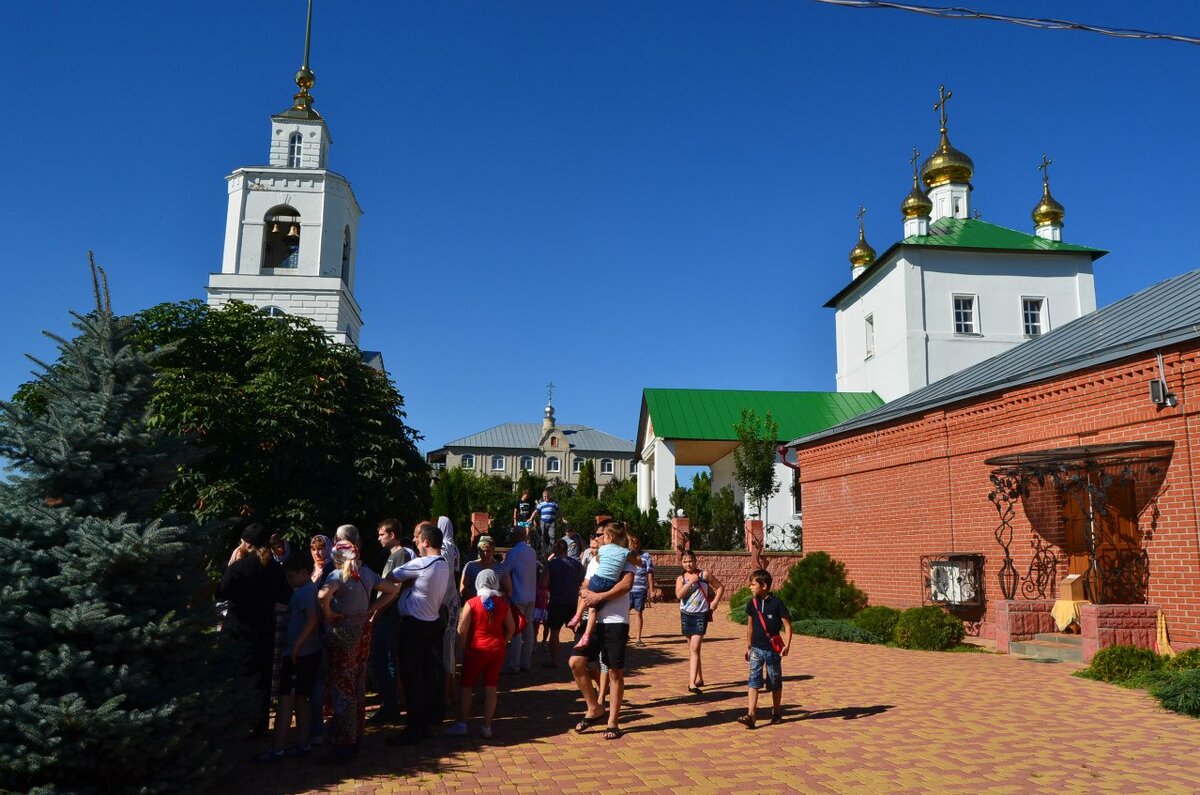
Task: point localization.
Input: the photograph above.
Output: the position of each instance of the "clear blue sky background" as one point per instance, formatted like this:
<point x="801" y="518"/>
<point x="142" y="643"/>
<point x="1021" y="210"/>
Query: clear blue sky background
<point x="612" y="195"/>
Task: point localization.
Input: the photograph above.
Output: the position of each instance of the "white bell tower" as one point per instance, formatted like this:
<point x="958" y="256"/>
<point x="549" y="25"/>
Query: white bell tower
<point x="291" y="231"/>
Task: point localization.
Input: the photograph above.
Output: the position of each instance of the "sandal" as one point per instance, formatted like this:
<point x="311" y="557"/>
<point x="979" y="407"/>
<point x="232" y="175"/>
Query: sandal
<point x="612" y="733"/>
<point x="585" y="723"/>
<point x="776" y="718"/>
<point x="746" y="721"/>
<point x="695" y="690"/>
<point x="573" y="623"/>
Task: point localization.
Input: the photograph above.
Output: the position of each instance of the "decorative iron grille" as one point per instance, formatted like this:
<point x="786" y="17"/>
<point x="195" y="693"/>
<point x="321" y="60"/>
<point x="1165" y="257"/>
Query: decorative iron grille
<point x="953" y="579"/>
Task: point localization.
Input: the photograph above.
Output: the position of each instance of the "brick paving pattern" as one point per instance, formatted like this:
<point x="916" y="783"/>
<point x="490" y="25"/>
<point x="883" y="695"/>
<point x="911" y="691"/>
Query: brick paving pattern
<point x="859" y="719"/>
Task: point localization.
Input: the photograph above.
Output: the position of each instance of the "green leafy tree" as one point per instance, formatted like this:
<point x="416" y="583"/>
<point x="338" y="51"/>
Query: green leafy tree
<point x="586" y="485"/>
<point x="726" y="524"/>
<point x="619" y="500"/>
<point x="111" y="676"/>
<point x="754" y="458"/>
<point x="297" y="432"/>
<point x="458" y="493"/>
<point x="536" y="484"/>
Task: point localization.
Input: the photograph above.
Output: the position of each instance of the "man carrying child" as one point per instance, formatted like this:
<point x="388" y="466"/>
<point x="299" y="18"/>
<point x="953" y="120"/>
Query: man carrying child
<point x="765" y="648"/>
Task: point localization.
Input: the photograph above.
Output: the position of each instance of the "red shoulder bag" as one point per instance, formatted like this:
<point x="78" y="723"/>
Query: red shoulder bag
<point x="776" y="640"/>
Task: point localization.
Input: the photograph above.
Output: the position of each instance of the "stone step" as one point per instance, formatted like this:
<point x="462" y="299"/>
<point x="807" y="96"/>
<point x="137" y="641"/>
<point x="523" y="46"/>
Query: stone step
<point x="1060" y="637"/>
<point x="1046" y="650"/>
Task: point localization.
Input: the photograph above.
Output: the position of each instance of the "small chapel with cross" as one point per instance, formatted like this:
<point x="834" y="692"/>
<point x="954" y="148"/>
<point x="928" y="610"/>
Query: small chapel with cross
<point x="953" y="290"/>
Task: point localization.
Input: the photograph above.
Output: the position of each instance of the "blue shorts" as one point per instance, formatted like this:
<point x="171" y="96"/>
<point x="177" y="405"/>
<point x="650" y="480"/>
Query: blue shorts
<point x="768" y="661"/>
<point x="598" y="584"/>
<point x="693" y="623"/>
<point x="637" y="600"/>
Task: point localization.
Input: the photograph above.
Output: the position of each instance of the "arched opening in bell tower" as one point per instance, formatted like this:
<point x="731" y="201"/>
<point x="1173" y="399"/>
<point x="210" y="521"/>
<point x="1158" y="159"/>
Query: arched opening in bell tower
<point x="346" y="255"/>
<point x="281" y="238"/>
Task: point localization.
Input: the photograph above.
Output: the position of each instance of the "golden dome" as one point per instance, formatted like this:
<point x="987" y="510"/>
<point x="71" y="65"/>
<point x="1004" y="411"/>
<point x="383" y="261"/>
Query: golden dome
<point x="916" y="204"/>
<point x="862" y="254"/>
<point x="1048" y="210"/>
<point x="946" y="164"/>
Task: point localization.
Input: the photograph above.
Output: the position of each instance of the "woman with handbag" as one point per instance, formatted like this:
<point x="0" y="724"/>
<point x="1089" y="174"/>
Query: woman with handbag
<point x="698" y="593"/>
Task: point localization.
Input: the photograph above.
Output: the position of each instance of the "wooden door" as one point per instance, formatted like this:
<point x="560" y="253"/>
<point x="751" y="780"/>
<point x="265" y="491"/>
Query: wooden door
<point x="1076" y="545"/>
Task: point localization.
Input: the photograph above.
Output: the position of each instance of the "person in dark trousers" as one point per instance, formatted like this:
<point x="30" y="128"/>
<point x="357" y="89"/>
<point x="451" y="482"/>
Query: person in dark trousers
<point x="253" y="584"/>
<point x="422" y="626"/>
<point x="385" y="629"/>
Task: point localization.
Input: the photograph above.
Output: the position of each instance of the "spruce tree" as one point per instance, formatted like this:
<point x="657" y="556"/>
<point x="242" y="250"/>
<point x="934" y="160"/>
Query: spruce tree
<point x="112" y="677"/>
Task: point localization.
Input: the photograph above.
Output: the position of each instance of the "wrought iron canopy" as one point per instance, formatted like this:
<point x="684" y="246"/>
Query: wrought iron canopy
<point x="1101" y="455"/>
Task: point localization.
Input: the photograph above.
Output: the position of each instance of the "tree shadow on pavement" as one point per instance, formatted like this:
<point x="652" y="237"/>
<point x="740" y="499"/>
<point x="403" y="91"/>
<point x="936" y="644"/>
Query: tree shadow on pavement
<point x="845" y="713"/>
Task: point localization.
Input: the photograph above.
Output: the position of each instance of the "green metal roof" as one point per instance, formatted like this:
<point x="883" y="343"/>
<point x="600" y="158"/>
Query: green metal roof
<point x="710" y="414"/>
<point x="969" y="233"/>
<point x="972" y="233"/>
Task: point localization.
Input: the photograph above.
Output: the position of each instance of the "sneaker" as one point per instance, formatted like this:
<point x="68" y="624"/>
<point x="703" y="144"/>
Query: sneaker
<point x="583" y="641"/>
<point x="457" y="730"/>
<point x="485" y="732"/>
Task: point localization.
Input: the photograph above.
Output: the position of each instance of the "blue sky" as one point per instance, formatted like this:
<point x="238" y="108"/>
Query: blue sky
<point x="611" y="195"/>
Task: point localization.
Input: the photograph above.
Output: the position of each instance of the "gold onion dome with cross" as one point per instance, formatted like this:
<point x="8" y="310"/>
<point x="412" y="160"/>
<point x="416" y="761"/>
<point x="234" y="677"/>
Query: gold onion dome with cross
<point x="1048" y="210"/>
<point x="862" y="254"/>
<point x="946" y="164"/>
<point x="916" y="204"/>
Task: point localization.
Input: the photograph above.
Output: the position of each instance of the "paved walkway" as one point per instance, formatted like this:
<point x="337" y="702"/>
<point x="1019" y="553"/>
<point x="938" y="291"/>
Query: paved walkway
<point x="860" y="719"/>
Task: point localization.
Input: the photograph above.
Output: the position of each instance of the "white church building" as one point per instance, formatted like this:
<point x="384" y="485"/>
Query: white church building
<point x="954" y="290"/>
<point x="292" y="225"/>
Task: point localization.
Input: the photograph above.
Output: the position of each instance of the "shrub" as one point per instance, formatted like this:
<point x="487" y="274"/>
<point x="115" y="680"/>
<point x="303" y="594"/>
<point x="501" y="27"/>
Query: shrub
<point x="928" y="629"/>
<point x="1179" y="691"/>
<point x="1183" y="661"/>
<point x="737" y="605"/>
<point x="834" y="629"/>
<point x="878" y="620"/>
<point x="817" y="587"/>
<point x="1121" y="663"/>
<point x="1146" y="680"/>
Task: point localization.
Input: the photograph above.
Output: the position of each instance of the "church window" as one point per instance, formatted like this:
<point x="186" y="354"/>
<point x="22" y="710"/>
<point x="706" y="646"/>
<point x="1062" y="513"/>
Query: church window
<point x="553" y="464"/>
<point x="346" y="255"/>
<point x="526" y="463"/>
<point x="554" y="441"/>
<point x="577" y="465"/>
<point x="498" y="462"/>
<point x="870" y="335"/>
<point x="964" y="315"/>
<point x="273" y="311"/>
<point x="295" y="148"/>
<point x="606" y="466"/>
<point x="468" y="461"/>
<point x="281" y="238"/>
<point x="632" y="468"/>
<point x="1031" y="316"/>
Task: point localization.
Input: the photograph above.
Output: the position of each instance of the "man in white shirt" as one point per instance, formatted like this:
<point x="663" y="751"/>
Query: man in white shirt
<point x="521" y="566"/>
<point x="421" y="629"/>
<point x="608" y="642"/>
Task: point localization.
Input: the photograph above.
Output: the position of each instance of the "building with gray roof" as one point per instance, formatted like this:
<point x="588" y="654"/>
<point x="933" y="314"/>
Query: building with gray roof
<point x="555" y="452"/>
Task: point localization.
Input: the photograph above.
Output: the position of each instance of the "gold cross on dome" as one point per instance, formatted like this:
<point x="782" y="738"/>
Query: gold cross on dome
<point x="940" y="105"/>
<point x="859" y="215"/>
<point x="1045" y="168"/>
<point x="550" y="392"/>
<point x="913" y="160"/>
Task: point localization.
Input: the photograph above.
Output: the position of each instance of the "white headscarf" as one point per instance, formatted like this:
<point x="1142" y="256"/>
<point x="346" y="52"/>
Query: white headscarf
<point x="487" y="585"/>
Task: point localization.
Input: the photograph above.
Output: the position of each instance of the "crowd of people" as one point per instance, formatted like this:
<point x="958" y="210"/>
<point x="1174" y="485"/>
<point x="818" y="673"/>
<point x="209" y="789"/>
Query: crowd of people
<point x="430" y="627"/>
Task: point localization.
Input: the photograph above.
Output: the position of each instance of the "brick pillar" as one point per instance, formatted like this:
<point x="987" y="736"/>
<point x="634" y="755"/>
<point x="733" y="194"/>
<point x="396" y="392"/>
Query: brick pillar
<point x="681" y="534"/>
<point x="754" y="543"/>
<point x="481" y="522"/>
<point x="1110" y="625"/>
<point x="602" y="518"/>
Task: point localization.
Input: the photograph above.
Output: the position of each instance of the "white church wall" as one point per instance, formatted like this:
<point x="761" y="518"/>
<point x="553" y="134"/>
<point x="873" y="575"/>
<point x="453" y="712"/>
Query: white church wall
<point x="886" y="369"/>
<point x="998" y="282"/>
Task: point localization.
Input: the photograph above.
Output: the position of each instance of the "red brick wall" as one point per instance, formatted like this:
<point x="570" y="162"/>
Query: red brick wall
<point x="731" y="568"/>
<point x="880" y="499"/>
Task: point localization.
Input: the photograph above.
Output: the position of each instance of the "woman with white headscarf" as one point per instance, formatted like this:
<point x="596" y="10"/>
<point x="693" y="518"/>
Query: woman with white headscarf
<point x="485" y="629"/>
<point x="453" y="606"/>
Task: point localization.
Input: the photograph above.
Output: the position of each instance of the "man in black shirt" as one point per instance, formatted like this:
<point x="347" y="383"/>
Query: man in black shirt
<point x="523" y="517"/>
<point x="767" y="616"/>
